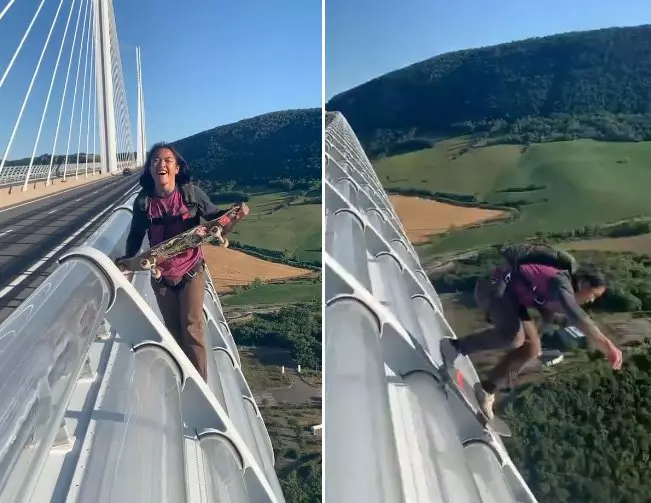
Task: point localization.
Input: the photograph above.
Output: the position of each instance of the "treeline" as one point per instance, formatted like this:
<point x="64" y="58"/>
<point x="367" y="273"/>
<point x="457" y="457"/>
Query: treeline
<point x="280" y="257"/>
<point x="593" y="84"/>
<point x="628" y="275"/>
<point x="269" y="148"/>
<point x="619" y="230"/>
<point x="585" y="435"/>
<point x="296" y="328"/>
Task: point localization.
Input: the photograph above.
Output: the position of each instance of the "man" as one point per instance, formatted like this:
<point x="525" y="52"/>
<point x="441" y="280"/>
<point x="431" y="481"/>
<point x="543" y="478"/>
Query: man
<point x="167" y="205"/>
<point x="506" y="296"/>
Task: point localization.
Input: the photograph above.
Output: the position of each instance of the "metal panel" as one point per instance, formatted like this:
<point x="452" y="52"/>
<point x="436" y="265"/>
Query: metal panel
<point x="393" y="430"/>
<point x="52" y="329"/>
<point x="136" y="451"/>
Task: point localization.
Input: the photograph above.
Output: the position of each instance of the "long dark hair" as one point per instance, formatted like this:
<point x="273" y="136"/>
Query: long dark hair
<point x="589" y="274"/>
<point x="182" y="177"/>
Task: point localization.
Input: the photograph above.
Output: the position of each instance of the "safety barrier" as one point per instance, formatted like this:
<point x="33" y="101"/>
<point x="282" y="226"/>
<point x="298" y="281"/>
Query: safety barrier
<point x="393" y="430"/>
<point x="99" y="404"/>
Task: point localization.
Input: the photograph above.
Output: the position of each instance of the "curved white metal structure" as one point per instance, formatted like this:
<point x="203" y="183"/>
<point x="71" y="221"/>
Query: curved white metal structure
<point x="99" y="403"/>
<point x="393" y="433"/>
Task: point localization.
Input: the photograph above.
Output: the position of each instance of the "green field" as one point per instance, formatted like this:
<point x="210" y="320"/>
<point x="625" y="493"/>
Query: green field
<point x="294" y="227"/>
<point x="281" y="293"/>
<point x="585" y="182"/>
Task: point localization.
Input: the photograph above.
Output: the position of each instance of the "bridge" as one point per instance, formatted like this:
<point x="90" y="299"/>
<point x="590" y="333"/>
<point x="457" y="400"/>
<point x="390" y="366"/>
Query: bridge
<point x="394" y="431"/>
<point x="97" y="401"/>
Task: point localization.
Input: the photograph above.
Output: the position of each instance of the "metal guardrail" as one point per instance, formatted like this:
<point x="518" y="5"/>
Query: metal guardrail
<point x="15" y="175"/>
<point x="393" y="432"/>
<point x="156" y="432"/>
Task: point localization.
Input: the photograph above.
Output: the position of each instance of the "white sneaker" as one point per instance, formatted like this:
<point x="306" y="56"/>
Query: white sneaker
<point x="486" y="401"/>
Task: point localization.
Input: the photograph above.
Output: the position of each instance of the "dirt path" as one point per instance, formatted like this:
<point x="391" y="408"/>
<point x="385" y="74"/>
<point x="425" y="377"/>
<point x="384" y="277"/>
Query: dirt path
<point x="424" y="217"/>
<point x="229" y="268"/>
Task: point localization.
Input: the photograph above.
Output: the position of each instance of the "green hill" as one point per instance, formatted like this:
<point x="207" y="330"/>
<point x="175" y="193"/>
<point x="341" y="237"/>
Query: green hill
<point x="273" y="161"/>
<point x="257" y="151"/>
<point x="594" y="84"/>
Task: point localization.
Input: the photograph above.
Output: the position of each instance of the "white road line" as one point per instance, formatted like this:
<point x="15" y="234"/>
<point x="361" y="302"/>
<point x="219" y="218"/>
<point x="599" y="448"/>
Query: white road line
<point x="52" y="195"/>
<point x="78" y="199"/>
<point x="51" y="211"/>
<point x="5" y="232"/>
<point x="51" y="254"/>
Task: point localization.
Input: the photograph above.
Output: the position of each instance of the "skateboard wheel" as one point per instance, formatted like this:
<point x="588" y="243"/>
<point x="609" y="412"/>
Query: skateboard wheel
<point x="225" y="243"/>
<point x="215" y="232"/>
<point x="146" y="264"/>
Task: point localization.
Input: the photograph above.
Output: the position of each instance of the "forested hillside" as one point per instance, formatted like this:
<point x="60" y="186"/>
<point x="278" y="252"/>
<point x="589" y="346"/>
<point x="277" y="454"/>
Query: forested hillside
<point x="594" y="84"/>
<point x="270" y="147"/>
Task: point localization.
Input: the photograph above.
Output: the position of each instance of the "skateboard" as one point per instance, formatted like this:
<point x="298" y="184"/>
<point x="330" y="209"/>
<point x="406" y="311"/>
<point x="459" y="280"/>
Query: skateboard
<point x="192" y="238"/>
<point x="464" y="390"/>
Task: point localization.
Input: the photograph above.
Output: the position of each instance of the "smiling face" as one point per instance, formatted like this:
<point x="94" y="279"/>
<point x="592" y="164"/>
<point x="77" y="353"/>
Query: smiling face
<point x="163" y="169"/>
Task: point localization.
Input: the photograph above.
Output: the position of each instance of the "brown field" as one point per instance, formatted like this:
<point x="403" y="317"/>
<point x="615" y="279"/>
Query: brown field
<point x="229" y="268"/>
<point x="424" y="217"/>
<point x="636" y="244"/>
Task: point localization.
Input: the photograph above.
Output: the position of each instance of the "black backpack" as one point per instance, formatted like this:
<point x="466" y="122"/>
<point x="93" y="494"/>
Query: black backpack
<point x="530" y="253"/>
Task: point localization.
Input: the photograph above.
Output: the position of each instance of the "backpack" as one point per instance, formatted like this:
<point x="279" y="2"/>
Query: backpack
<point x="529" y="253"/>
<point x="189" y="198"/>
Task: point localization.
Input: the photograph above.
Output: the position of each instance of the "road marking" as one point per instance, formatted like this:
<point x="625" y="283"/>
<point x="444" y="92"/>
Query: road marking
<point x="78" y="199"/>
<point x="52" y="195"/>
<point x="51" y="211"/>
<point x="22" y="277"/>
<point x="5" y="232"/>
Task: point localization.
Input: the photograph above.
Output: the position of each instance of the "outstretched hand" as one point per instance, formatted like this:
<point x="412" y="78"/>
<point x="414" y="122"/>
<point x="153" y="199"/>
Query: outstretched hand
<point x="614" y="356"/>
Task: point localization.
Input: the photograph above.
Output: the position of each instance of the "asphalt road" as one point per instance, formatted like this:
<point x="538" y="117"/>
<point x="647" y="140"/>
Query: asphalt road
<point x="34" y="234"/>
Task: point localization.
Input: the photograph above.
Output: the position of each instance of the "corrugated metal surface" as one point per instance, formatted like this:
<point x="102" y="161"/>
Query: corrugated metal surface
<point x="120" y="417"/>
<point x="393" y="433"/>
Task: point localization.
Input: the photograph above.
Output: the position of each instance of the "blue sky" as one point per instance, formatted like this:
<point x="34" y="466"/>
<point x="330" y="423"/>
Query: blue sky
<point x="367" y="38"/>
<point x="205" y="63"/>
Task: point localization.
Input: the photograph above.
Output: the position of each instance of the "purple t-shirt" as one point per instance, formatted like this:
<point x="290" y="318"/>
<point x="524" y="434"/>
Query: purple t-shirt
<point x="173" y="268"/>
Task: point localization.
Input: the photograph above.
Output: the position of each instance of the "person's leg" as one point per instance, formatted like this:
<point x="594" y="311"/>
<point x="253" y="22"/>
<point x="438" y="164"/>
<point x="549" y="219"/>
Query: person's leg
<point x="192" y="322"/>
<point x="168" y="303"/>
<point x="503" y="316"/>
<point x="513" y="363"/>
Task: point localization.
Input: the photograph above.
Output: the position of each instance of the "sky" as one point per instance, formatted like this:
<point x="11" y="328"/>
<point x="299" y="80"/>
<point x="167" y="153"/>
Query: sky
<point x="368" y="38"/>
<point x="205" y="63"/>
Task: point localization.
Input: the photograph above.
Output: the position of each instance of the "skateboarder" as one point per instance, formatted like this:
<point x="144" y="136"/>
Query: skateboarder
<point x="167" y="205"/>
<point x="505" y="297"/>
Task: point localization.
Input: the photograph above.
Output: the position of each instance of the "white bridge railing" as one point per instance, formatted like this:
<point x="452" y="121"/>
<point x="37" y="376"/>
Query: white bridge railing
<point x="19" y="175"/>
<point x="99" y="404"/>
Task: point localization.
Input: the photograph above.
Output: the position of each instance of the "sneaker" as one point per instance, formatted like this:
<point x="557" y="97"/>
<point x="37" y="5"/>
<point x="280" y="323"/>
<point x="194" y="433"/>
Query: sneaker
<point x="486" y="401"/>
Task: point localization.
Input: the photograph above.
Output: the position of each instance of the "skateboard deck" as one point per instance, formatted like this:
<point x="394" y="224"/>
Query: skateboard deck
<point x="150" y="259"/>
<point x="459" y="385"/>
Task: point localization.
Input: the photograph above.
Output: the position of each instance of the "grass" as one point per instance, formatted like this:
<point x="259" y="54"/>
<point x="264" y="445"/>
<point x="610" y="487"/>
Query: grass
<point x="636" y="244"/>
<point x="259" y="376"/>
<point x="275" y="294"/>
<point x="586" y="182"/>
<point x="275" y="222"/>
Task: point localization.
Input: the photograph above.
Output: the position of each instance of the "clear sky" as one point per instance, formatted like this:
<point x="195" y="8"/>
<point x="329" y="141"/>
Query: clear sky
<point x="205" y="63"/>
<point x="368" y="38"/>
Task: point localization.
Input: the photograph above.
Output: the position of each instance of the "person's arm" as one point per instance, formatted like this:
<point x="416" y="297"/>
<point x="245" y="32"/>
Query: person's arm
<point x="139" y="224"/>
<point x="560" y="288"/>
<point x="207" y="209"/>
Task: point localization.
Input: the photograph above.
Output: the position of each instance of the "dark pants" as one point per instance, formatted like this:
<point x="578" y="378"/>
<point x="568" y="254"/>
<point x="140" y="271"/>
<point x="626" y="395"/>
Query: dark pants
<point x="182" y="310"/>
<point x="508" y="331"/>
